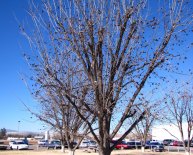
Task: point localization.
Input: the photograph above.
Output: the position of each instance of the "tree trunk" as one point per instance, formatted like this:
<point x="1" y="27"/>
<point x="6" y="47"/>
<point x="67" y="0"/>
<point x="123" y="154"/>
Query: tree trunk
<point x="143" y="149"/>
<point x="187" y="153"/>
<point x="104" y="151"/>
<point x="143" y="143"/>
<point x="63" y="149"/>
<point x="71" y="152"/>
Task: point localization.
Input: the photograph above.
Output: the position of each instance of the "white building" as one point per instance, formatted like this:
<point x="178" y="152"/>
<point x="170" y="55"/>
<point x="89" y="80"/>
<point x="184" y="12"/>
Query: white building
<point x="161" y="132"/>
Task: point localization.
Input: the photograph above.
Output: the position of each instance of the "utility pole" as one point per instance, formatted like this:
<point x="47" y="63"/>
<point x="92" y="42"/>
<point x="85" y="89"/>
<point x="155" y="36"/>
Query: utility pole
<point x="18" y="126"/>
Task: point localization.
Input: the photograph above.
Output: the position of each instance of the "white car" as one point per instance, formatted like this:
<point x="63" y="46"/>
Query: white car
<point x="88" y="143"/>
<point x="84" y="144"/>
<point x="11" y="142"/>
<point x="43" y="142"/>
<point x="19" y="145"/>
<point x="92" y="144"/>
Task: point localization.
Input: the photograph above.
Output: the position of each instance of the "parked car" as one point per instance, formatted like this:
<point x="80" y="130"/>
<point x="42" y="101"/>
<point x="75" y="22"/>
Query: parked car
<point x="84" y="144"/>
<point x="54" y="144"/>
<point x="122" y="145"/>
<point x="112" y="143"/>
<point x="2" y="146"/>
<point x="92" y="144"/>
<point x="155" y="146"/>
<point x="191" y="143"/>
<point x="11" y="142"/>
<point x="88" y="143"/>
<point x="19" y="145"/>
<point x="148" y="142"/>
<point x="18" y="140"/>
<point x="176" y="143"/>
<point x="74" y="144"/>
<point x="134" y="144"/>
<point x="167" y="142"/>
<point x="43" y="143"/>
<point x="25" y="141"/>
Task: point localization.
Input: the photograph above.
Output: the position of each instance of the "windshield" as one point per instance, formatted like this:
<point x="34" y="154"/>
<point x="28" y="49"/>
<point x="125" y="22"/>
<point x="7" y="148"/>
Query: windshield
<point x="154" y="144"/>
<point x="19" y="143"/>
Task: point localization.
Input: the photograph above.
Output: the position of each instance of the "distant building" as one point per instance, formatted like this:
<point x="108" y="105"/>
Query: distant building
<point x="38" y="137"/>
<point x="161" y="132"/>
<point x="11" y="134"/>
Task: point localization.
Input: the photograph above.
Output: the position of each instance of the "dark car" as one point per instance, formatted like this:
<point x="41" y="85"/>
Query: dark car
<point x="155" y="146"/>
<point x="73" y="143"/>
<point x="25" y="141"/>
<point x="134" y="144"/>
<point x="186" y="143"/>
<point x="167" y="142"/>
<point x="55" y="144"/>
<point x="112" y="142"/>
<point x="2" y="146"/>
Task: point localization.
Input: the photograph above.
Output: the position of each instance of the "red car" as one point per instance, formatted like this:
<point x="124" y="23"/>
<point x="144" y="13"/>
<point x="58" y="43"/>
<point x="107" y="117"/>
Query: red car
<point x="123" y="145"/>
<point x="176" y="143"/>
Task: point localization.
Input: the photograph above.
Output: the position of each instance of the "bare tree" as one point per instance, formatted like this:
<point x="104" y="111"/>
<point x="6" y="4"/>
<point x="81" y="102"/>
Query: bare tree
<point x="180" y="108"/>
<point x="154" y="111"/>
<point x="54" y="108"/>
<point x="3" y="132"/>
<point x="143" y="128"/>
<point x="57" y="113"/>
<point x="118" y="47"/>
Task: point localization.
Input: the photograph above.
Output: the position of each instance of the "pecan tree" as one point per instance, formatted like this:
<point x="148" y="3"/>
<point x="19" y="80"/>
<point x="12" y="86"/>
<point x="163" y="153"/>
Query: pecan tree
<point x="120" y="48"/>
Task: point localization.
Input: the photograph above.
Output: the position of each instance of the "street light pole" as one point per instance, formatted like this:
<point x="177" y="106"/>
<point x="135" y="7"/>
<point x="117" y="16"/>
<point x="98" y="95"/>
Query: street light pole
<point x="18" y="126"/>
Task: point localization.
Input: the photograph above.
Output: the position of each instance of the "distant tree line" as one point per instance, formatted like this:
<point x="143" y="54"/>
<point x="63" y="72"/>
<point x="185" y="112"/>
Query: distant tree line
<point x="3" y="132"/>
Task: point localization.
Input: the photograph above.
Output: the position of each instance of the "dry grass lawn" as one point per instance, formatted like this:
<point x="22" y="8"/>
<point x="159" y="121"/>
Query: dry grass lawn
<point x="81" y="152"/>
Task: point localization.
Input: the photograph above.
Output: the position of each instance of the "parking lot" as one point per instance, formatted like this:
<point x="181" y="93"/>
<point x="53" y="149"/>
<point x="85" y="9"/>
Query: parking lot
<point x="35" y="149"/>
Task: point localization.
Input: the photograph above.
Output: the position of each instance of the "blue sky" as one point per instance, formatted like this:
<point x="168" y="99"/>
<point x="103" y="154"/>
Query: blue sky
<point x="12" y="89"/>
<point x="12" y="64"/>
